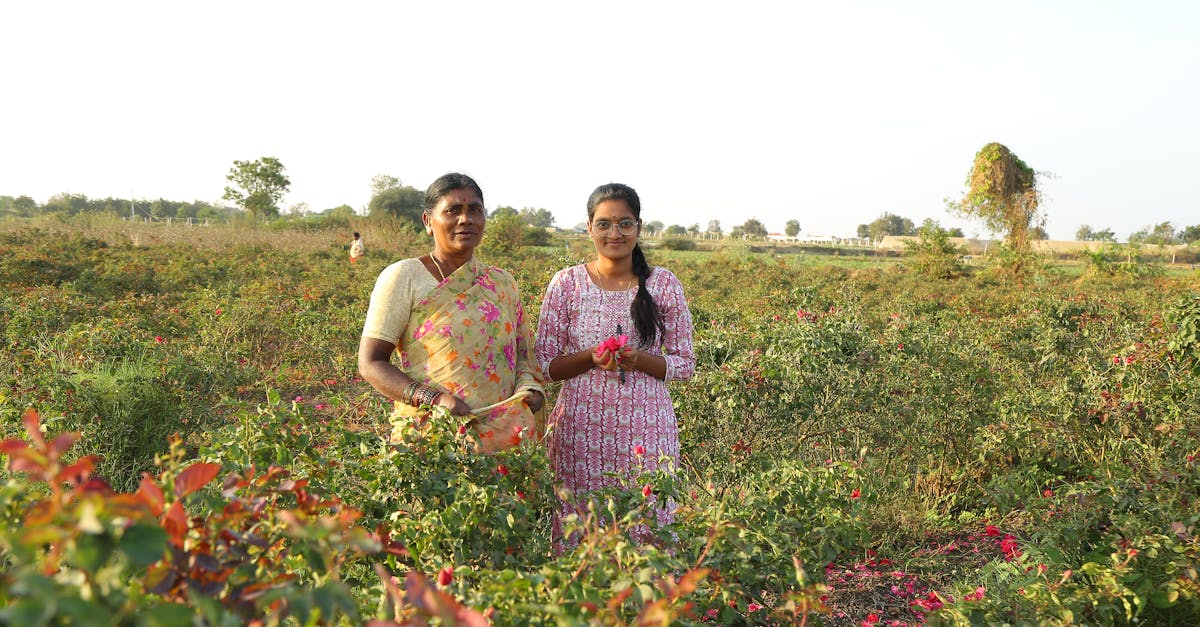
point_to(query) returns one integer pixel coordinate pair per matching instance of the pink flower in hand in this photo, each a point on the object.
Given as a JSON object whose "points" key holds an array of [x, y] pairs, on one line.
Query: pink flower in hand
{"points": [[614, 344]]}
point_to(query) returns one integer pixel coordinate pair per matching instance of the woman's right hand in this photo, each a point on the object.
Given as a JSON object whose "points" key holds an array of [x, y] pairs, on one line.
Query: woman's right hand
{"points": [[456, 405], [604, 359]]}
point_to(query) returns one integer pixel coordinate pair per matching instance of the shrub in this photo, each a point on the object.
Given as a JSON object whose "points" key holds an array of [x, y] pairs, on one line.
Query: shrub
{"points": [[934, 255], [677, 243]]}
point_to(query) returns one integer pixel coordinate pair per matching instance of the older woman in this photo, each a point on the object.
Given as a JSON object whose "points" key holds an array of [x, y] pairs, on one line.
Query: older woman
{"points": [[458, 325]]}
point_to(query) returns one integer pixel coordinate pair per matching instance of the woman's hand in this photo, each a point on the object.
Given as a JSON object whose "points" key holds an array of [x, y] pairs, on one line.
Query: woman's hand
{"points": [[627, 358], [535, 401], [456, 405], [604, 359]]}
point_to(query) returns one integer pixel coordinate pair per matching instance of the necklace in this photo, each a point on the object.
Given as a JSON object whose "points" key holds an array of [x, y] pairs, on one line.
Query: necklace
{"points": [[604, 279], [438, 266]]}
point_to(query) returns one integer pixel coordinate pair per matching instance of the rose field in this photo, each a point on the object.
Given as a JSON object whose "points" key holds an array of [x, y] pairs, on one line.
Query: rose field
{"points": [[186, 442]]}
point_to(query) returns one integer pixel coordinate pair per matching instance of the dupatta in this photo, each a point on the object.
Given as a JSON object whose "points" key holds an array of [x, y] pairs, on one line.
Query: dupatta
{"points": [[469, 337]]}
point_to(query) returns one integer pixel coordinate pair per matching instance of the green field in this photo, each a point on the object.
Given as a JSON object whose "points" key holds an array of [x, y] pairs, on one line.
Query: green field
{"points": [[862, 445]]}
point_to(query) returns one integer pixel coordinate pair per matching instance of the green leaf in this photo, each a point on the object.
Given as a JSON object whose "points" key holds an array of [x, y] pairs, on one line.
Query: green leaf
{"points": [[1164, 598], [333, 598], [143, 544], [92, 550], [27, 613], [166, 615]]}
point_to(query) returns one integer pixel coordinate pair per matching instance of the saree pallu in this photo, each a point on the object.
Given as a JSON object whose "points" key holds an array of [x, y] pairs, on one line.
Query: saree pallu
{"points": [[469, 337]]}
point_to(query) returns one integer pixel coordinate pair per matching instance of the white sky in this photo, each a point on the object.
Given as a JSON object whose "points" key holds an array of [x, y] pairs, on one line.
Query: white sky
{"points": [[826, 112]]}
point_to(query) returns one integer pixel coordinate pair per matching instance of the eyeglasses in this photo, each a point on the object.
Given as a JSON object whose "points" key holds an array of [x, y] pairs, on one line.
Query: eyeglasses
{"points": [[628, 226]]}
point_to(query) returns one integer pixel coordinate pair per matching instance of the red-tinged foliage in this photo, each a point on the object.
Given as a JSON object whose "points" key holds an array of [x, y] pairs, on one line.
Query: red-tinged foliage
{"points": [[421, 600], [194, 477], [231, 555], [151, 494], [176, 524], [78, 472], [33, 427], [61, 443]]}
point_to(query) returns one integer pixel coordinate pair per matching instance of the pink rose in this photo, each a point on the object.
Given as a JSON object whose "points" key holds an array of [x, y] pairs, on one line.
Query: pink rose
{"points": [[614, 344]]}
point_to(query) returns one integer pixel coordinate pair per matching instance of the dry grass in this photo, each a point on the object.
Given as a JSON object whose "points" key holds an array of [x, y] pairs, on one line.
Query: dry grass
{"points": [[392, 238]]}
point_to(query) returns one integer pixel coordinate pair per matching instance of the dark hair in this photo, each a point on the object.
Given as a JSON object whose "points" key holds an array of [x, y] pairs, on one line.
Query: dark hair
{"points": [[643, 310], [356, 235], [447, 183]]}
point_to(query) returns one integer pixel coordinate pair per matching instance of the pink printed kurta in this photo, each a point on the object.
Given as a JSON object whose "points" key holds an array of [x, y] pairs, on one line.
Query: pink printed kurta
{"points": [[597, 420]]}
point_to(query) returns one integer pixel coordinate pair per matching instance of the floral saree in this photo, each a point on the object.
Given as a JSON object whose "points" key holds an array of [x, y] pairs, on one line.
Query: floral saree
{"points": [[469, 337]]}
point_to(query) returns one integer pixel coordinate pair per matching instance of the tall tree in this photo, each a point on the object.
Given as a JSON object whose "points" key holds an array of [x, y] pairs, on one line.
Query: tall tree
{"points": [[1164, 234], [652, 228], [792, 229], [21, 206], [1087, 234], [714, 228], [1003, 192], [383, 182], [68, 204], [1190, 234], [754, 228], [887, 224], [537, 217], [392, 198], [257, 186]]}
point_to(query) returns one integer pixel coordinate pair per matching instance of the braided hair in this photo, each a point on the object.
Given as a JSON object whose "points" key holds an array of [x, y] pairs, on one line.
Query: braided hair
{"points": [[644, 311]]}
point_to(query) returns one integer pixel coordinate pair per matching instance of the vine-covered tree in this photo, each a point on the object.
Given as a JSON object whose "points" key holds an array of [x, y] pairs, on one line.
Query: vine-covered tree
{"points": [[257, 186], [1002, 191], [792, 229]]}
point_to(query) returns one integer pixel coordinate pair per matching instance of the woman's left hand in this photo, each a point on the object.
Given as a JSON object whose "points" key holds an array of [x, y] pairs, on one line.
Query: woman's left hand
{"points": [[535, 401], [627, 357]]}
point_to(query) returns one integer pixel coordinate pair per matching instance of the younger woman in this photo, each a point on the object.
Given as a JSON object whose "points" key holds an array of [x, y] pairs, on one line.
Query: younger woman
{"points": [[614, 412]]}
